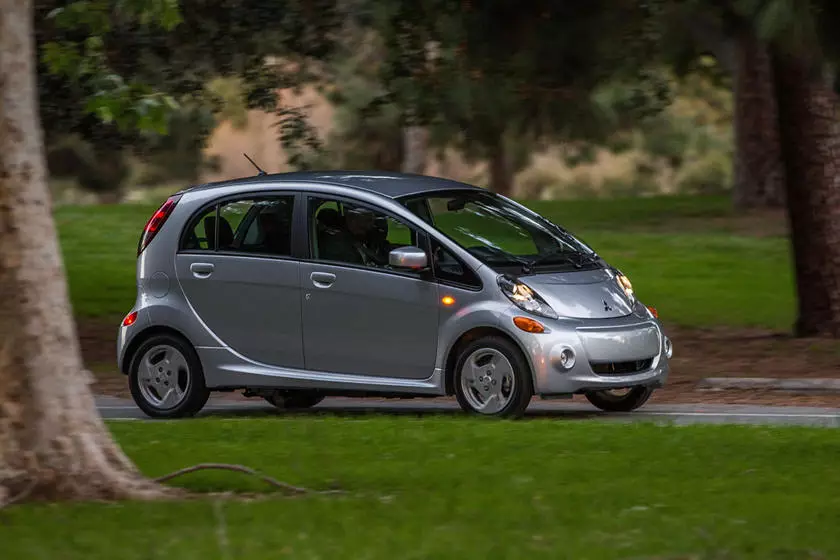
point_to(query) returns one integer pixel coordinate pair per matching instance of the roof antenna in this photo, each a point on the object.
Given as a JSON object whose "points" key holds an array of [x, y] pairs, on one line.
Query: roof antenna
{"points": [[261, 172]]}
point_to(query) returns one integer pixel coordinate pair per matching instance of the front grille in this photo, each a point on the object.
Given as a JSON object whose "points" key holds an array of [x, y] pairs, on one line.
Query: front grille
{"points": [[621, 368]]}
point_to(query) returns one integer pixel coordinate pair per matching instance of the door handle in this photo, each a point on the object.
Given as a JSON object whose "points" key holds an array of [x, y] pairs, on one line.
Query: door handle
{"points": [[201, 270], [322, 279]]}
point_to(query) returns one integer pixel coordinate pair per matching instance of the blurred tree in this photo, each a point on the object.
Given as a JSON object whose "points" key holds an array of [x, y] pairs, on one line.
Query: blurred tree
{"points": [[804, 45], [136, 71], [53, 444], [697, 27], [485, 75], [365, 135]]}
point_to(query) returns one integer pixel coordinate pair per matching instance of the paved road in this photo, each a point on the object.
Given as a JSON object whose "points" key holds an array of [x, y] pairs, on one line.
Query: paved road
{"points": [[123, 409]]}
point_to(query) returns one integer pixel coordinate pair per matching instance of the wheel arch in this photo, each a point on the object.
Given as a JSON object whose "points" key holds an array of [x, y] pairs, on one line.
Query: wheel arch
{"points": [[469, 336], [142, 337]]}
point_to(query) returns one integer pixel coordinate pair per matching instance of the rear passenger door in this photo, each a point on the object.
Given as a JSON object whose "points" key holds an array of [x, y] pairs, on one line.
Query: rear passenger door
{"points": [[237, 271]]}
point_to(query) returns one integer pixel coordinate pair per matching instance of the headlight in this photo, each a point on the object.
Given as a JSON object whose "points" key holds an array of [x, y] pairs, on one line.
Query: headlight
{"points": [[625, 285], [524, 297]]}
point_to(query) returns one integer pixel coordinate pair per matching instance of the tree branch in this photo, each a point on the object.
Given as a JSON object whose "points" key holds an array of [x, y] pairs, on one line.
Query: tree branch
{"points": [[289, 489]]}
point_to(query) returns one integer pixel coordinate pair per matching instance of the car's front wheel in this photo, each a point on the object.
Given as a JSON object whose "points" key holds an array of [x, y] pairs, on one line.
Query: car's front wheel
{"points": [[620, 400], [166, 379], [492, 378], [293, 400]]}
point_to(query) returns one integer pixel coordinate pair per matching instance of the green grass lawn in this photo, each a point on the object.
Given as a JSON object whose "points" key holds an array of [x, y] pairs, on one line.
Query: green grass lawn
{"points": [[461, 488], [695, 276]]}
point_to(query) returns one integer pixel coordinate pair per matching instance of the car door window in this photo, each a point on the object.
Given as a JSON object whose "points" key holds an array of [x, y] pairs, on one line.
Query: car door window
{"points": [[254, 225], [201, 234], [449, 269], [353, 234], [267, 227]]}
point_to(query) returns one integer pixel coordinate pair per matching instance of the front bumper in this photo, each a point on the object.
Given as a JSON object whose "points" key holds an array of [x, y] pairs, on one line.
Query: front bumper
{"points": [[610, 354]]}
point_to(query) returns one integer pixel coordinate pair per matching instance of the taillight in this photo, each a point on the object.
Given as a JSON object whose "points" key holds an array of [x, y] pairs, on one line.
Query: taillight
{"points": [[156, 222], [130, 319]]}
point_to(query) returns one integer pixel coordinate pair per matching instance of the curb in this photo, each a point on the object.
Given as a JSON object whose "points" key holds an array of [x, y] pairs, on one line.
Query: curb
{"points": [[772, 383]]}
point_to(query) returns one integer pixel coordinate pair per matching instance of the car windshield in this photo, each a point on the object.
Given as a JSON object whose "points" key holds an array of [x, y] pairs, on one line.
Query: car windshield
{"points": [[500, 233]]}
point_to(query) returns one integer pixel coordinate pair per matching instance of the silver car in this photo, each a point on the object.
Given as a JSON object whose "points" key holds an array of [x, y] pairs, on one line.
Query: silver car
{"points": [[298, 286]]}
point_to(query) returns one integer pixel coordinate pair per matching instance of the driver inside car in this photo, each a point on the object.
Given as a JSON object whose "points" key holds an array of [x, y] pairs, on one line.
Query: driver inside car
{"points": [[350, 243]]}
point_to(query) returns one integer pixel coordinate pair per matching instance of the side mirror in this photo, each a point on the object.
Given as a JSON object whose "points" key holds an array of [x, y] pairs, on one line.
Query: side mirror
{"points": [[411, 258]]}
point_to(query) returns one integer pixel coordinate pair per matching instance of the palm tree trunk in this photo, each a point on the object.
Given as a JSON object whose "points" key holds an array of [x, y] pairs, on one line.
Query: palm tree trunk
{"points": [[53, 444], [759, 172], [810, 141]]}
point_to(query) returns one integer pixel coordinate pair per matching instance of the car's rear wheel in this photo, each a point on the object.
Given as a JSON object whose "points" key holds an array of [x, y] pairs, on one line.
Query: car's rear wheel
{"points": [[620, 400], [293, 400], [492, 378], [166, 379]]}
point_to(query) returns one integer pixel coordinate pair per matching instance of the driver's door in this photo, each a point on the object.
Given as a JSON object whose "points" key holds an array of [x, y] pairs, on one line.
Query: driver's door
{"points": [[367, 319]]}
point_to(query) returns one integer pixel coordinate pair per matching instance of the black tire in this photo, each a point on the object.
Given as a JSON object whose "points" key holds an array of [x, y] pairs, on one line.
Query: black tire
{"points": [[293, 400], [523, 387], [609, 402], [196, 392]]}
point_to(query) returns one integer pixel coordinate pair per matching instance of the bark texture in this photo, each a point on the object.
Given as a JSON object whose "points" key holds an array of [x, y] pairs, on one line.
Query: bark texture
{"points": [[810, 141], [53, 444], [759, 172], [415, 149]]}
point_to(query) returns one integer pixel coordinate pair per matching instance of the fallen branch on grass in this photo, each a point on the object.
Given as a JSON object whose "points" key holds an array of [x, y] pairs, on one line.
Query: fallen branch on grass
{"points": [[18, 497], [289, 489]]}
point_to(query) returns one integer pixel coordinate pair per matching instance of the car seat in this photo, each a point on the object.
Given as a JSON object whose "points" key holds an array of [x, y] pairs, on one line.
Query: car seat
{"points": [[225, 233], [275, 233]]}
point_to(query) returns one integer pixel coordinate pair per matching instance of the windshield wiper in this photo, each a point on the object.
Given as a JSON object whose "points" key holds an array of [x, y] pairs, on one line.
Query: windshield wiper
{"points": [[561, 256], [591, 258], [566, 257]]}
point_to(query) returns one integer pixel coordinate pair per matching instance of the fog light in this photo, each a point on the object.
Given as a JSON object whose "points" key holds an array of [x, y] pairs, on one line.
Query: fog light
{"points": [[669, 349], [567, 358]]}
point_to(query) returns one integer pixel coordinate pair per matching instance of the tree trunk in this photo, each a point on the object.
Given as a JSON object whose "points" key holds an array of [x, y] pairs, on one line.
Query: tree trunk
{"points": [[501, 176], [53, 444], [415, 143], [759, 172], [810, 141]]}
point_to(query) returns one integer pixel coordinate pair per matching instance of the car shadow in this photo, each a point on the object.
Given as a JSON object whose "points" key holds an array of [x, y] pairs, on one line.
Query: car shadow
{"points": [[365, 411]]}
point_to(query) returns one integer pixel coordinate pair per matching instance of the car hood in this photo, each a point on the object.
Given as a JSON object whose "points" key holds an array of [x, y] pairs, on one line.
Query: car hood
{"points": [[582, 294]]}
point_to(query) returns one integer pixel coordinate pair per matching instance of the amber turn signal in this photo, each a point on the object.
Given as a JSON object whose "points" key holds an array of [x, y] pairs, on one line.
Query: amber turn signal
{"points": [[447, 300], [528, 325], [653, 311]]}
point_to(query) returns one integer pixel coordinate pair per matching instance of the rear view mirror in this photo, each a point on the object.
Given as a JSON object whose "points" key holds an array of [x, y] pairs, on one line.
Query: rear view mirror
{"points": [[456, 204], [408, 258]]}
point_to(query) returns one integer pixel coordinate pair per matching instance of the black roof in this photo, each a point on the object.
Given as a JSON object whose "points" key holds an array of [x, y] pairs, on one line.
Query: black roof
{"points": [[390, 184]]}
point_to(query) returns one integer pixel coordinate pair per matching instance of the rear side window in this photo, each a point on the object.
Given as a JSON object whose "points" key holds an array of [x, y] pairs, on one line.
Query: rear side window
{"points": [[261, 226], [197, 239]]}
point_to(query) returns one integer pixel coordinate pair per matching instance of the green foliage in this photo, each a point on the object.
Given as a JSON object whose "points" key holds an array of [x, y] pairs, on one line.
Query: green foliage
{"points": [[710, 175], [366, 129], [481, 73], [124, 72], [129, 104], [304, 147]]}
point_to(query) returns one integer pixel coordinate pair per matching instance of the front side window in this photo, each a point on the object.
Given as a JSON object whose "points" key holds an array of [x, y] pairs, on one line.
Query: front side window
{"points": [[351, 234], [449, 269], [260, 226], [499, 233]]}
